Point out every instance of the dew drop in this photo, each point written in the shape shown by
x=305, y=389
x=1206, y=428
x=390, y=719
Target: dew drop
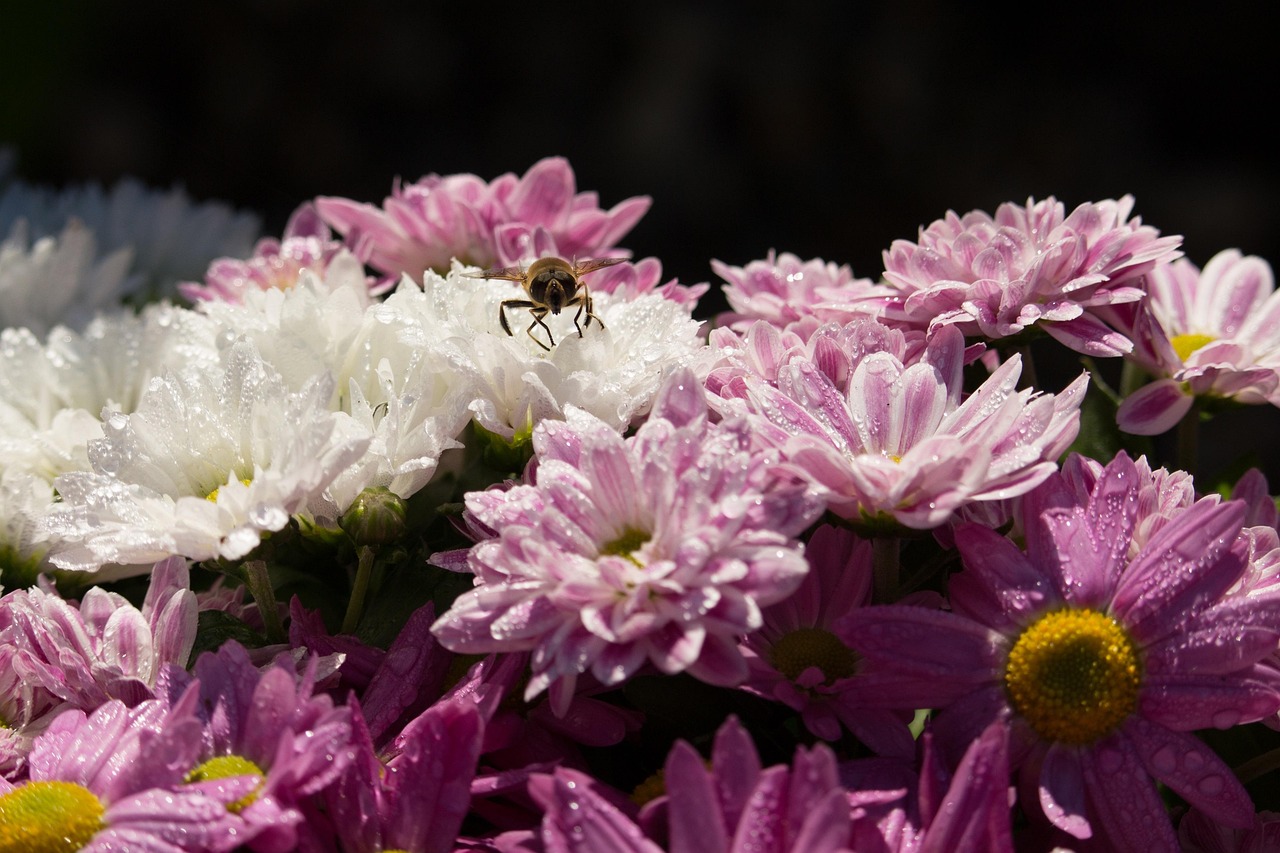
x=1210, y=786
x=1165, y=761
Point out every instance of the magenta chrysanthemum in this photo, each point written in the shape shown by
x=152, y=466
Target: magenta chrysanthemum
x=659, y=548
x=425, y=225
x=1100, y=663
x=1028, y=266
x=1213, y=333
x=782, y=290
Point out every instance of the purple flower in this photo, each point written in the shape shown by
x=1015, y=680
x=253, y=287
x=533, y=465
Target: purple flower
x=503, y=222
x=895, y=442
x=1027, y=266
x=797, y=659
x=658, y=548
x=783, y=290
x=112, y=780
x=1099, y=662
x=1211, y=334
x=1199, y=833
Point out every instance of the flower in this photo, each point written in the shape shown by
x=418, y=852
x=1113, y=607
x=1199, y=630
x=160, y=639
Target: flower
x=427, y=224
x=168, y=237
x=1211, y=334
x=1099, y=663
x=660, y=548
x=895, y=442
x=210, y=461
x=111, y=780
x=782, y=290
x=57, y=280
x=1027, y=267
x=796, y=658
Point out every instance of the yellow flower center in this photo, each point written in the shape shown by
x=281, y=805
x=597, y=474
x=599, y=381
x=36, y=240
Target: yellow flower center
x=1184, y=345
x=213, y=496
x=630, y=541
x=225, y=767
x=650, y=789
x=48, y=817
x=805, y=647
x=1074, y=675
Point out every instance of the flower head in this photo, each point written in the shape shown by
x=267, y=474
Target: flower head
x=1100, y=663
x=660, y=548
x=1027, y=267
x=427, y=224
x=1213, y=333
x=783, y=290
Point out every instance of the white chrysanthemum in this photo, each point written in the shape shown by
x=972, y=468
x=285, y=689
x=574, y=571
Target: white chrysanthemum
x=209, y=461
x=52, y=393
x=172, y=238
x=401, y=395
x=612, y=371
x=24, y=499
x=57, y=280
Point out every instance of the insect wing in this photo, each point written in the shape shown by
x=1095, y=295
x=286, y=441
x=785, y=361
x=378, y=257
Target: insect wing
x=504, y=273
x=593, y=264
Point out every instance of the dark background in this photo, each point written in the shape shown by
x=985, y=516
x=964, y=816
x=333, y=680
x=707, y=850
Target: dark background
x=822, y=129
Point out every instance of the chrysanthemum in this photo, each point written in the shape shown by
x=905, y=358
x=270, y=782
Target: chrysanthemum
x=57, y=280
x=112, y=781
x=797, y=659
x=425, y=225
x=1028, y=267
x=660, y=548
x=783, y=289
x=1213, y=334
x=24, y=499
x=612, y=371
x=896, y=442
x=1100, y=664
x=169, y=237
x=209, y=461
x=307, y=244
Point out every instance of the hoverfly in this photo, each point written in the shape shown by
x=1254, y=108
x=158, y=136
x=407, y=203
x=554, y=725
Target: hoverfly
x=552, y=284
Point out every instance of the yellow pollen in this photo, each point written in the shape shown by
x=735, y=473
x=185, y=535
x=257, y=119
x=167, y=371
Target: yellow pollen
x=1184, y=345
x=650, y=789
x=48, y=817
x=805, y=647
x=225, y=767
x=626, y=545
x=213, y=496
x=1074, y=675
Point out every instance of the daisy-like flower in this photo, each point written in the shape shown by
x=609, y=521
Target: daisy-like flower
x=169, y=237
x=1210, y=334
x=660, y=548
x=275, y=264
x=632, y=279
x=57, y=280
x=783, y=290
x=895, y=442
x=112, y=781
x=612, y=371
x=1101, y=664
x=797, y=659
x=425, y=225
x=1027, y=267
x=208, y=462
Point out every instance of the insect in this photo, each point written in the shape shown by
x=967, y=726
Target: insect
x=552, y=284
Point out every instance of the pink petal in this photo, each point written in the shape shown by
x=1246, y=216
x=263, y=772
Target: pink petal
x=1193, y=770
x=1154, y=408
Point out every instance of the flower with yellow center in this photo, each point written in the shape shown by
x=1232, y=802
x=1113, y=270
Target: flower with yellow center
x=48, y=817
x=1099, y=657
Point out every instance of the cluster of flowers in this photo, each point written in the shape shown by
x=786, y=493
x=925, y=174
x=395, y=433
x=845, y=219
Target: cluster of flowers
x=332, y=562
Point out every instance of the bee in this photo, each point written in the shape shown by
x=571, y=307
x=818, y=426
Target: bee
x=552, y=284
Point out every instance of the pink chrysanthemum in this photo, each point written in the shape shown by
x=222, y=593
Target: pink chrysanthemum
x=1028, y=266
x=276, y=264
x=1212, y=334
x=1100, y=664
x=660, y=548
x=895, y=442
x=112, y=781
x=783, y=290
x=797, y=659
x=425, y=225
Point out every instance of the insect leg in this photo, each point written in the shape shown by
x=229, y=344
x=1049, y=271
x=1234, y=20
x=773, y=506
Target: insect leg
x=538, y=314
x=511, y=303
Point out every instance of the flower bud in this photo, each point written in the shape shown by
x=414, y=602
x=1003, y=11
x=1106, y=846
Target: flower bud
x=375, y=517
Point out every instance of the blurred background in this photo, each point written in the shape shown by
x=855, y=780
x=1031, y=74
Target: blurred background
x=821, y=129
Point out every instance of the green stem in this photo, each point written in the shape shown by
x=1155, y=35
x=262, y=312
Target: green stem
x=1266, y=763
x=355, y=608
x=258, y=579
x=1189, y=440
x=885, y=557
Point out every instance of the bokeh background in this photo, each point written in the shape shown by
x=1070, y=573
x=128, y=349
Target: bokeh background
x=821, y=129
